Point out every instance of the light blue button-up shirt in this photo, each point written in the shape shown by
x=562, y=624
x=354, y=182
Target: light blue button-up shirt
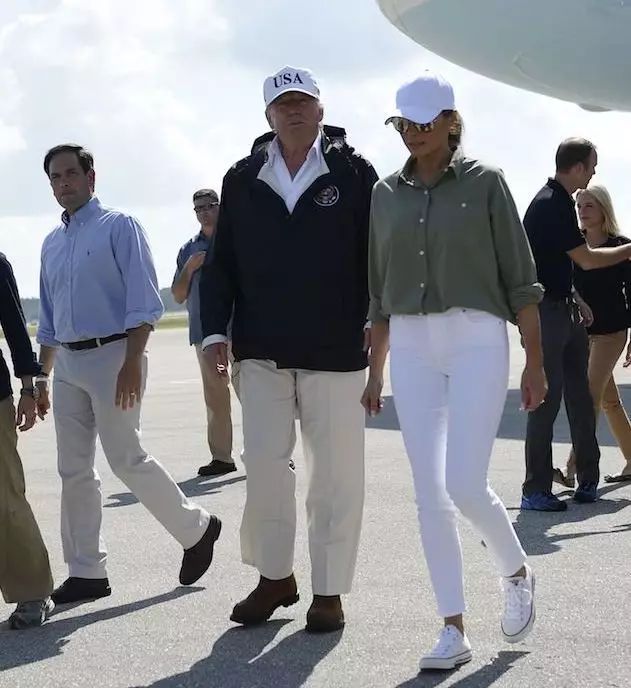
x=197, y=243
x=97, y=277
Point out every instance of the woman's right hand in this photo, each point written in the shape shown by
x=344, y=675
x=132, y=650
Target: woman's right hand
x=371, y=398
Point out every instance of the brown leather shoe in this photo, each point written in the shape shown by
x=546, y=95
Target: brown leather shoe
x=265, y=599
x=325, y=614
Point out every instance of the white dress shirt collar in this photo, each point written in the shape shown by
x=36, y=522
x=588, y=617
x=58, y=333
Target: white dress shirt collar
x=276, y=175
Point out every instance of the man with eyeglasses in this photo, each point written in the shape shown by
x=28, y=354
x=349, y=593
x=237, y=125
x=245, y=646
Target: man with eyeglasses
x=186, y=288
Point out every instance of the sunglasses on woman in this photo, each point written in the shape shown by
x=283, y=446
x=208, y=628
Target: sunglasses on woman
x=402, y=125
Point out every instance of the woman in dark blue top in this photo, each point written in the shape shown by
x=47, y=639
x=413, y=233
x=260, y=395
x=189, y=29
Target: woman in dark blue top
x=607, y=293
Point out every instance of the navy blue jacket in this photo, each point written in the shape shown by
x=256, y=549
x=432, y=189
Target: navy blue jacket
x=298, y=281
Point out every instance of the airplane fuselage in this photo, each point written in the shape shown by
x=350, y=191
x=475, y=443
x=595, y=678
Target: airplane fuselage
x=574, y=50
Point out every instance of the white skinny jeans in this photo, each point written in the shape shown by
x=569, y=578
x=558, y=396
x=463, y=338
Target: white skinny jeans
x=449, y=375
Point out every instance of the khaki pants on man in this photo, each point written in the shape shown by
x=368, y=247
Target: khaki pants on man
x=218, y=409
x=84, y=392
x=332, y=424
x=24, y=566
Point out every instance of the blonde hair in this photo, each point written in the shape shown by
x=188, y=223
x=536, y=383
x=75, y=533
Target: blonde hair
x=456, y=130
x=602, y=197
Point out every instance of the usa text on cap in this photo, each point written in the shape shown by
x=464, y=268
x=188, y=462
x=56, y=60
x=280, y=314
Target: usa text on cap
x=290, y=79
x=424, y=98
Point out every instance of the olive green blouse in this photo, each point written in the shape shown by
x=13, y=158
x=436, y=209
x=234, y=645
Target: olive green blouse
x=458, y=243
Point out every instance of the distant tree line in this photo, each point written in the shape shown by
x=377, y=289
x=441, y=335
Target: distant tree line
x=31, y=306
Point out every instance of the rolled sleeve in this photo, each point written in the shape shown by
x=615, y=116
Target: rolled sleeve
x=214, y=339
x=135, y=260
x=375, y=312
x=45, y=335
x=375, y=263
x=516, y=263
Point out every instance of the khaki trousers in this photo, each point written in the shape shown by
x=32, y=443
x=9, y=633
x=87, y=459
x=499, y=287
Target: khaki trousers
x=84, y=388
x=24, y=567
x=332, y=424
x=604, y=353
x=218, y=411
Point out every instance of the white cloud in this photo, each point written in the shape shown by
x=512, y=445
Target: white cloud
x=11, y=140
x=168, y=95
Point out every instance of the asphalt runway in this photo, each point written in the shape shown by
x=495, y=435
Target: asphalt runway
x=151, y=633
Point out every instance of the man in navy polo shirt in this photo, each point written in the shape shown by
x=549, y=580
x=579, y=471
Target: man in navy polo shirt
x=186, y=288
x=557, y=243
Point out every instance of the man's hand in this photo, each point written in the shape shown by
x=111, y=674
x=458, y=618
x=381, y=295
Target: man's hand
x=216, y=356
x=43, y=400
x=26, y=413
x=534, y=387
x=129, y=383
x=627, y=360
x=586, y=312
x=195, y=261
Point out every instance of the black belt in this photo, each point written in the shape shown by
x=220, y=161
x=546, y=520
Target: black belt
x=93, y=343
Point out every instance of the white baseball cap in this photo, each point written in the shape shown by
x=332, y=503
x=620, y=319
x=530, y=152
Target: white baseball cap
x=424, y=98
x=290, y=79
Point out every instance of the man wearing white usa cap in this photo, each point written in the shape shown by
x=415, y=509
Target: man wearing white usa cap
x=291, y=255
x=289, y=80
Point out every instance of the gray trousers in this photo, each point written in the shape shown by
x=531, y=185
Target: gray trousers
x=565, y=356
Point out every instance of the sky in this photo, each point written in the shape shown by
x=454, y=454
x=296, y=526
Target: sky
x=168, y=95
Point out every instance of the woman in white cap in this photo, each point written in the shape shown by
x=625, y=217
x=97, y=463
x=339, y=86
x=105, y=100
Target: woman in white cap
x=449, y=265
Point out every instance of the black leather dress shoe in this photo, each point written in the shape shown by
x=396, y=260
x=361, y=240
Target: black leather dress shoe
x=216, y=467
x=81, y=590
x=198, y=558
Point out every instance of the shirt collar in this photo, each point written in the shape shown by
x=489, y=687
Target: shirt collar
x=84, y=213
x=315, y=152
x=556, y=185
x=455, y=164
x=203, y=238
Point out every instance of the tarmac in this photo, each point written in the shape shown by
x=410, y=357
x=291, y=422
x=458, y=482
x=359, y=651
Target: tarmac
x=151, y=633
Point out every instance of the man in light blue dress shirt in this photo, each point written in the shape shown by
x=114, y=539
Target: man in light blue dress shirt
x=99, y=301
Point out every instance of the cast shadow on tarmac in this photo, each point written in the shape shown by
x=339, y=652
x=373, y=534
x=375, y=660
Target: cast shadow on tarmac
x=193, y=487
x=513, y=423
x=236, y=660
x=51, y=639
x=483, y=677
x=532, y=526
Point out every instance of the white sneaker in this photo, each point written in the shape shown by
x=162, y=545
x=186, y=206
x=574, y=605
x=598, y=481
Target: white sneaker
x=451, y=650
x=519, y=608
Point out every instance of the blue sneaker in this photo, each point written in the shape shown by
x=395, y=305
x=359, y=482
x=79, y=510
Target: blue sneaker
x=542, y=501
x=586, y=493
